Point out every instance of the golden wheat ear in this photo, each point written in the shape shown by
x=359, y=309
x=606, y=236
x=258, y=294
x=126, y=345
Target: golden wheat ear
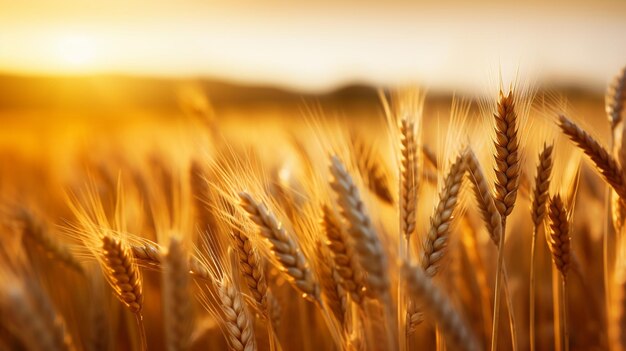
x=615, y=99
x=506, y=154
x=604, y=162
x=334, y=294
x=28, y=313
x=538, y=209
x=284, y=248
x=559, y=240
x=364, y=240
x=238, y=324
x=122, y=273
x=539, y=195
x=346, y=262
x=252, y=270
x=371, y=166
x=35, y=232
x=408, y=178
x=439, y=307
x=436, y=241
x=486, y=203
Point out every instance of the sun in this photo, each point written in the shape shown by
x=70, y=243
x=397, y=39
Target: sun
x=76, y=52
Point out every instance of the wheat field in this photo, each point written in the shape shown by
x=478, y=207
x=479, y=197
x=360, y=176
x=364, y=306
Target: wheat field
x=495, y=225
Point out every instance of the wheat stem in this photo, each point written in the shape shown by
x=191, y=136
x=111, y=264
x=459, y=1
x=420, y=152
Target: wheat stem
x=538, y=212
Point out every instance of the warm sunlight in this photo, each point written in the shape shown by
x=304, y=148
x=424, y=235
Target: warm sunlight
x=316, y=46
x=353, y=175
x=75, y=52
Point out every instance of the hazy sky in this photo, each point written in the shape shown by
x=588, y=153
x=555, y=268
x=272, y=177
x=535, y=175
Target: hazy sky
x=317, y=45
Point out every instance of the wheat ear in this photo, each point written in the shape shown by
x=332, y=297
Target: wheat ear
x=615, y=98
x=370, y=167
x=506, y=155
x=125, y=278
x=486, y=204
x=539, y=198
x=440, y=309
x=614, y=102
x=176, y=296
x=408, y=178
x=346, y=262
x=122, y=273
x=604, y=162
x=284, y=248
x=436, y=241
x=236, y=319
x=366, y=244
x=559, y=236
x=539, y=195
x=335, y=295
x=559, y=244
x=34, y=320
x=251, y=268
x=618, y=212
x=378, y=182
x=34, y=231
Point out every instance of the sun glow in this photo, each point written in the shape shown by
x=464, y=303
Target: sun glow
x=75, y=52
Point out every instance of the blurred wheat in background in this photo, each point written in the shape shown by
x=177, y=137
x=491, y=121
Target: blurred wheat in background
x=326, y=210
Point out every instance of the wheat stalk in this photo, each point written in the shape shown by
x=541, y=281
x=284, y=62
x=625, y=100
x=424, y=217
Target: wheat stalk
x=559, y=244
x=238, y=325
x=440, y=309
x=492, y=219
x=176, y=296
x=436, y=241
x=284, y=248
x=507, y=171
x=539, y=199
x=367, y=246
